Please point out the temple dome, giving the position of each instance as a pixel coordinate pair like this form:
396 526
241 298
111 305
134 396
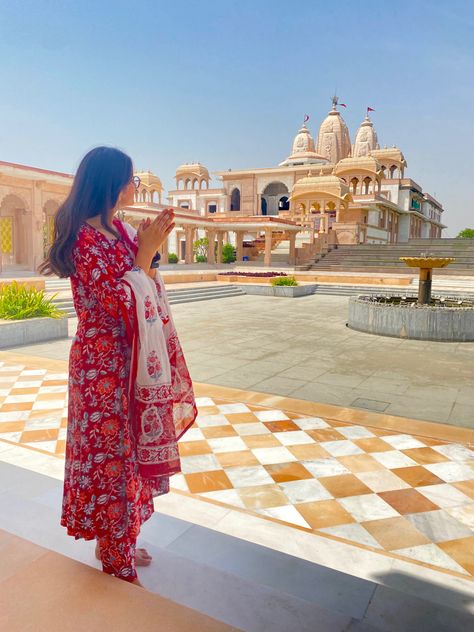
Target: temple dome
334 142
303 151
325 185
366 139
195 169
149 181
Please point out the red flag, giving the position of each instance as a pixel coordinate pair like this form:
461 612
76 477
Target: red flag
306 118
370 110
343 105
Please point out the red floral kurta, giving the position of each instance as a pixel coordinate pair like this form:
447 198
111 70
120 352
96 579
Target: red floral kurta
104 494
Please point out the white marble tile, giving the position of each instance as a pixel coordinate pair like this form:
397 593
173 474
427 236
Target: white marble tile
47 446
28 384
4 392
439 526
257 428
353 532
227 444
249 476
444 495
368 507
19 399
54 376
15 415
355 432
382 481
9 378
178 481
403 442
293 437
287 513
325 467
455 451
33 371
12 367
341 448
204 421
311 423
204 401
43 423
48 404
268 456
270 415
393 459
234 408
432 554
199 463
62 433
464 514
193 434
228 496
451 472
10 436
52 389
305 491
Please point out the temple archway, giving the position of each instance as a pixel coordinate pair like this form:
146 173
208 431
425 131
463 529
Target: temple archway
15 231
235 200
272 194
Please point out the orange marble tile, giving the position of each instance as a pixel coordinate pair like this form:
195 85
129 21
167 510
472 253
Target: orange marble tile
262 496
382 432
208 410
64 422
48 396
466 487
373 445
360 463
241 418
462 551
425 456
284 472
324 513
417 475
60 446
207 481
429 441
216 432
189 448
9 408
395 533
325 434
11 426
52 382
261 441
308 452
23 391
408 501
344 485
285 425
48 434
236 459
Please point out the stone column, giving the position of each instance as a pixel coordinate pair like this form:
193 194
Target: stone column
239 244
268 248
292 253
189 236
34 229
211 235
219 246
259 204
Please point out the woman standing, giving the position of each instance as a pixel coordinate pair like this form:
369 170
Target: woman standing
121 443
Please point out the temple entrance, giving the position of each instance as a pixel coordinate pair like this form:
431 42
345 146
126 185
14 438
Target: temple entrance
272 194
263 206
14 232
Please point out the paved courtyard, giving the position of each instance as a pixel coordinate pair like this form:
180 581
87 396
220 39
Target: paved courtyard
302 348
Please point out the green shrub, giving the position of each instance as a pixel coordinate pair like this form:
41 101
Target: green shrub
228 253
287 280
172 258
201 259
18 302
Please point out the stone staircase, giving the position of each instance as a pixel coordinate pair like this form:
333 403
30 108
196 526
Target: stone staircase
386 258
175 296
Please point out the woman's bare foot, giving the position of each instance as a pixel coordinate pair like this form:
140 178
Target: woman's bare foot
142 557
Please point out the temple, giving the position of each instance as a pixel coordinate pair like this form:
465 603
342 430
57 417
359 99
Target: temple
324 193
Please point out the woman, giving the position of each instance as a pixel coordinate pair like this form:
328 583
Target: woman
130 394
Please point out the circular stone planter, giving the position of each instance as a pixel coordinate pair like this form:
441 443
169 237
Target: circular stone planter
286 291
421 322
31 330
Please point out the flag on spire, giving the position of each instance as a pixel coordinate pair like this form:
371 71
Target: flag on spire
306 118
370 110
343 105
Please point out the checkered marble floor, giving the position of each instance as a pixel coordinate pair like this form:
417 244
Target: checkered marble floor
400 494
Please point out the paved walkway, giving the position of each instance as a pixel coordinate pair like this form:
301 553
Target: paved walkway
302 348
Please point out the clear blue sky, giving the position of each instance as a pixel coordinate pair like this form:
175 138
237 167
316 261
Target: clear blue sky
227 82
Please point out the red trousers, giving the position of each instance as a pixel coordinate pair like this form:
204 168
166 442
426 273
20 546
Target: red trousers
118 556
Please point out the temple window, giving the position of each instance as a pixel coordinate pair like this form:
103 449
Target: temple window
235 200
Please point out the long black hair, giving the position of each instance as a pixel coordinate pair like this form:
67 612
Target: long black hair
100 177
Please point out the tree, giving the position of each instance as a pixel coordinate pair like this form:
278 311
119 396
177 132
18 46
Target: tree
467 233
200 247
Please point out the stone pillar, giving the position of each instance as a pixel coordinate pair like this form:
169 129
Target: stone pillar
34 229
292 253
258 210
189 237
219 246
211 236
268 248
239 244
